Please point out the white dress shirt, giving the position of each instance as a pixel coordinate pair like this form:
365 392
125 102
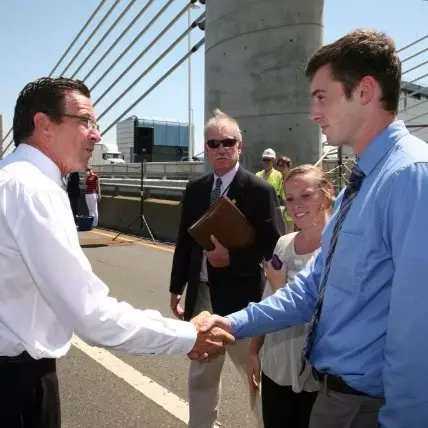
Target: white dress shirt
282 349
226 181
47 287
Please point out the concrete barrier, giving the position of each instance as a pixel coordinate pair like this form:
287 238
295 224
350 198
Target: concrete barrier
122 213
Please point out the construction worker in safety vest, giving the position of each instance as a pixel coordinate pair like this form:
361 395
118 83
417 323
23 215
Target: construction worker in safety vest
270 174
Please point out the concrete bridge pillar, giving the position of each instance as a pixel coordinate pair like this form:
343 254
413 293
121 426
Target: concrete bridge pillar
256 52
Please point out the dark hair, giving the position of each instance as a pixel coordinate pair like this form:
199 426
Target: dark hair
283 160
359 54
45 95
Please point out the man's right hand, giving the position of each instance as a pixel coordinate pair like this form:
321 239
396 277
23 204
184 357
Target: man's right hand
176 309
216 321
211 341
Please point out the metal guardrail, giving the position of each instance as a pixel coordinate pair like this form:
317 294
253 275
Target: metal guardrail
152 188
338 173
152 170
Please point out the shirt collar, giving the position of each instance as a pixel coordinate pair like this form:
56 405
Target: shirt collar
381 145
40 160
229 176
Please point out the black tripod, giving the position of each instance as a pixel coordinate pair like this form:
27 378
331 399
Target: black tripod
141 215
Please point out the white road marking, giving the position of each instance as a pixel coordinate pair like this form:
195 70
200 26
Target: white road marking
143 384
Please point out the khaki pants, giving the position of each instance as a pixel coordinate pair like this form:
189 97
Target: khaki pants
205 379
336 410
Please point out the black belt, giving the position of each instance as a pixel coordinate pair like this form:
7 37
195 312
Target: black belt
24 357
335 383
25 363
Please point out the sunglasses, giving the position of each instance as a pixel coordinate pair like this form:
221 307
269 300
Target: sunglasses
227 142
267 160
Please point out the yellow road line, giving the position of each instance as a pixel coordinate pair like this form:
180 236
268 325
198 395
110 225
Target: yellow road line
144 244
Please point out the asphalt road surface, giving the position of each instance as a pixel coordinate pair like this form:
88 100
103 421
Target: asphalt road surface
110 389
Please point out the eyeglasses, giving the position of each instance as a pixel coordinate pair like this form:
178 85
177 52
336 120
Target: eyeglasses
91 124
227 142
267 160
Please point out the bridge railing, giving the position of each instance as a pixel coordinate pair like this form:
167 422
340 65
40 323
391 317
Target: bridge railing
152 170
413 108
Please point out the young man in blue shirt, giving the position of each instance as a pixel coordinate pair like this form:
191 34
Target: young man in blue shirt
366 294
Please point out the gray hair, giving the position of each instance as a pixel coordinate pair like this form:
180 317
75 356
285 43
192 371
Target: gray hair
220 120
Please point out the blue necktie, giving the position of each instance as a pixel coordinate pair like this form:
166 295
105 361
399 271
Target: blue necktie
215 194
355 181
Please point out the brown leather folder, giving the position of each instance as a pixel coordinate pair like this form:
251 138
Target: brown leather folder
226 222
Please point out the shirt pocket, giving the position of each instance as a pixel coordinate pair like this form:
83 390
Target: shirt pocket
345 271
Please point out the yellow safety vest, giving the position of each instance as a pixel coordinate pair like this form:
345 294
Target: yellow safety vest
274 179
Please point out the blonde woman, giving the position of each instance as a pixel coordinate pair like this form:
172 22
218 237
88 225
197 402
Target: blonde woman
287 398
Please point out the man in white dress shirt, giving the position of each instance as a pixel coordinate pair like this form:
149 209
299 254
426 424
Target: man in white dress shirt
47 287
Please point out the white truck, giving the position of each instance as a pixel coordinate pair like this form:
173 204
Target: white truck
106 154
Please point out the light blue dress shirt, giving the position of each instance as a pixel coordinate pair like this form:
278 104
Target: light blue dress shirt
373 330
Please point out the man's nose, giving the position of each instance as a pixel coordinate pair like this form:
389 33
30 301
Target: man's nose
314 114
95 136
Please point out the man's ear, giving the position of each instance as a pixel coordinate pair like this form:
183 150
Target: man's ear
367 89
42 123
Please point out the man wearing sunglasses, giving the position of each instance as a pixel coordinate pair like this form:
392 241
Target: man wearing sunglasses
221 280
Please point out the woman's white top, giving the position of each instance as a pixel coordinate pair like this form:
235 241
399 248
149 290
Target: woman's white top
282 349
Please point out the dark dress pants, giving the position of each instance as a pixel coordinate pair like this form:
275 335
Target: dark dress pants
29 395
74 203
283 408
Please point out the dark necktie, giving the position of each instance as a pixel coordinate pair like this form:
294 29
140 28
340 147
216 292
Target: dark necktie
355 181
215 194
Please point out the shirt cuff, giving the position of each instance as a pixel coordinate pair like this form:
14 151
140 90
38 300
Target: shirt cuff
186 336
239 323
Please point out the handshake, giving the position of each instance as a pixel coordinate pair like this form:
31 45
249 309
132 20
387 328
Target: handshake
213 334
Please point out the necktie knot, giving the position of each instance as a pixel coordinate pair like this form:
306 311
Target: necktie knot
357 175
356 178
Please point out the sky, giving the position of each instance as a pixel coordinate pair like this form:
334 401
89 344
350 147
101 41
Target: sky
34 34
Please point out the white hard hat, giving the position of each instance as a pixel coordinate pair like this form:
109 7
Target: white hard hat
269 154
